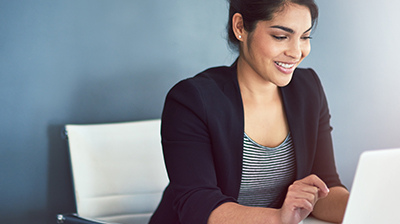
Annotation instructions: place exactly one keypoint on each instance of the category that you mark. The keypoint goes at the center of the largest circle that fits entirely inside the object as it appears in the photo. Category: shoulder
(212, 94)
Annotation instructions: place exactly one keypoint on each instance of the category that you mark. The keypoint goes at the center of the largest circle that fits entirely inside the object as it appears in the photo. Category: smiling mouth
(284, 65)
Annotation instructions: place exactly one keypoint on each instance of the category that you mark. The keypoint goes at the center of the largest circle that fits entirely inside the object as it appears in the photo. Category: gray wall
(86, 62)
(355, 51)
(107, 61)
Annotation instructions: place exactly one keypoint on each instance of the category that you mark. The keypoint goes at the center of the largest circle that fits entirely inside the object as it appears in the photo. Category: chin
(284, 82)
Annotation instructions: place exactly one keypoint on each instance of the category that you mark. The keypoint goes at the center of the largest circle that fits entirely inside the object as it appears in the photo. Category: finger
(310, 194)
(300, 203)
(314, 180)
(322, 194)
(304, 191)
(306, 187)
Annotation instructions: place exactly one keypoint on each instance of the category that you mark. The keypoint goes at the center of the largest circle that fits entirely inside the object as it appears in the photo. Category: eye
(306, 38)
(279, 37)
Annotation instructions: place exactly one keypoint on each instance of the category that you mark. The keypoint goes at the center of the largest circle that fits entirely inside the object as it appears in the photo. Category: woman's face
(276, 47)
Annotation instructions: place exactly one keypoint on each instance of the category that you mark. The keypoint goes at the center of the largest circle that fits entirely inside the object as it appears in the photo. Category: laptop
(375, 194)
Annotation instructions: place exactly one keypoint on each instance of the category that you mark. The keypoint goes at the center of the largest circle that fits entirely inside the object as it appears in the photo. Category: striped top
(266, 173)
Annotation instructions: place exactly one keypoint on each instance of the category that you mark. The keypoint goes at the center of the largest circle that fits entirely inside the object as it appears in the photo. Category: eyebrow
(287, 29)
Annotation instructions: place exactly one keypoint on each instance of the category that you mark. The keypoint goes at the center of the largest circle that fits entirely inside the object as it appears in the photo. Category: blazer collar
(295, 121)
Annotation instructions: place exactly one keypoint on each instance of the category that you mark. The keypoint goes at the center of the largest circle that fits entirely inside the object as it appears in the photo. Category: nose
(294, 50)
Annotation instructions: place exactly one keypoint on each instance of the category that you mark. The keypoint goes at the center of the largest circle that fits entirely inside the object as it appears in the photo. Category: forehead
(293, 16)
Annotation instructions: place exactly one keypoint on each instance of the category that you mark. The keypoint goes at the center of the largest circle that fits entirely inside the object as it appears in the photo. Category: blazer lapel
(295, 118)
(232, 90)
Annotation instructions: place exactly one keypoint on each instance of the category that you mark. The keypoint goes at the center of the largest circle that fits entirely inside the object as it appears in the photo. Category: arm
(232, 213)
(189, 155)
(332, 207)
(299, 202)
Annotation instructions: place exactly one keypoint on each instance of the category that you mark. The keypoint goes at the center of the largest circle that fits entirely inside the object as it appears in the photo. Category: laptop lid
(375, 196)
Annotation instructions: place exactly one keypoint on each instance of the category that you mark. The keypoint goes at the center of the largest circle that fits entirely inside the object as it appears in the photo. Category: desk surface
(311, 220)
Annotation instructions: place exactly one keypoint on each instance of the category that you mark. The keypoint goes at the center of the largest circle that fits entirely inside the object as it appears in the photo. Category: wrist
(274, 216)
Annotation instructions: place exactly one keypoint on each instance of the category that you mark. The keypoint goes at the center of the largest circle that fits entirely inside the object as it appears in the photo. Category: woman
(251, 143)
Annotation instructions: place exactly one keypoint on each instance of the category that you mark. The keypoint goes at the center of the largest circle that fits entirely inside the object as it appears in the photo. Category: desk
(312, 220)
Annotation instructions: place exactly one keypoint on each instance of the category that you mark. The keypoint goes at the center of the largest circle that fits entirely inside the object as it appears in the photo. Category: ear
(238, 26)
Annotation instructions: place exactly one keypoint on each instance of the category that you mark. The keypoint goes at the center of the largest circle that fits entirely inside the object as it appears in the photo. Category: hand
(301, 198)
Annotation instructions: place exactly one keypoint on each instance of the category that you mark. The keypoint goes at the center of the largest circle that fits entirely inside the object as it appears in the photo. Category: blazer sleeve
(324, 160)
(188, 154)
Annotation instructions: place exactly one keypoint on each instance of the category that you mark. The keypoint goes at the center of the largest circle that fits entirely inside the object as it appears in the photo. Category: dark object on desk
(75, 219)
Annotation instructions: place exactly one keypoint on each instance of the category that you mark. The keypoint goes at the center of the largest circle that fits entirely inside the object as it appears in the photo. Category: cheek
(264, 47)
(306, 50)
(270, 51)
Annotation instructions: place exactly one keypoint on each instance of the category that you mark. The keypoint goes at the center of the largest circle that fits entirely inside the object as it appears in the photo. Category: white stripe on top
(266, 173)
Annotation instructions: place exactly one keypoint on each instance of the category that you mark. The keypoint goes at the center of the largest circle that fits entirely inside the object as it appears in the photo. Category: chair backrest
(118, 170)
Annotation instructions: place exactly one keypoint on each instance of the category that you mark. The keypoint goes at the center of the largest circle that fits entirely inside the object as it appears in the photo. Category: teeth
(284, 65)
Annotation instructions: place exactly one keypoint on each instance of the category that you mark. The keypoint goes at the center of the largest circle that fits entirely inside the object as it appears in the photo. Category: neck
(253, 86)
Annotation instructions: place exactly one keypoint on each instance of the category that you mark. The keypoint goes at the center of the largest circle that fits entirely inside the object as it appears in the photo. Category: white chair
(118, 171)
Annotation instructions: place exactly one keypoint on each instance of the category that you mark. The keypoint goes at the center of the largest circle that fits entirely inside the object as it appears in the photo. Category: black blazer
(202, 136)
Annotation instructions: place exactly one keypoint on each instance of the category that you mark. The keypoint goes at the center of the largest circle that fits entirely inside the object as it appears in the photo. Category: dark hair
(253, 11)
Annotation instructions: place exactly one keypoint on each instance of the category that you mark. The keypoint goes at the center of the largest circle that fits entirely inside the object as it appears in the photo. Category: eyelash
(279, 37)
(284, 37)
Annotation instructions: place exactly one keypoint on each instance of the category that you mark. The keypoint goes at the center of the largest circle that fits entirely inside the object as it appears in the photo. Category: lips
(286, 68)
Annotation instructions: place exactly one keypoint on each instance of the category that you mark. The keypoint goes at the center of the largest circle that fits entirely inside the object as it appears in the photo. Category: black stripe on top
(266, 173)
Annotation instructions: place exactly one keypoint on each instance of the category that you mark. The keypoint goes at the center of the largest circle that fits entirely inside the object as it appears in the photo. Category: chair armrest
(74, 218)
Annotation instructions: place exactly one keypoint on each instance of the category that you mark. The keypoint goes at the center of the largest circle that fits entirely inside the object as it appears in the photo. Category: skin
(258, 75)
(284, 39)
